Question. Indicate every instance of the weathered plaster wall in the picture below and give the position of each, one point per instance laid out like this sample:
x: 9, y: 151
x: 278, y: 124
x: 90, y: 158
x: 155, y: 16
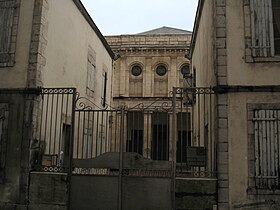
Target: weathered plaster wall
x: 203, y: 58
x: 16, y: 76
x: 69, y: 38
x: 238, y: 146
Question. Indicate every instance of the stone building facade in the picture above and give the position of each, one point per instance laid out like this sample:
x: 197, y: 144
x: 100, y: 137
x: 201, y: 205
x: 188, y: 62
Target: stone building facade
x: 235, y: 50
x: 147, y: 67
x: 42, y: 47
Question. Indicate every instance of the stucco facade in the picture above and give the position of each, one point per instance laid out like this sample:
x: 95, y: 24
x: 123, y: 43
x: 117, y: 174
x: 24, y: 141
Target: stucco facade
x: 245, y: 84
x: 46, y: 55
x: 44, y: 47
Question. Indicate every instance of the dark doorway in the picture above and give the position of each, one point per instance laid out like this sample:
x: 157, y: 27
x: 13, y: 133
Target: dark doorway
x: 160, y: 140
x: 184, y: 136
x: 64, y: 150
x: 134, y: 143
x: 183, y: 142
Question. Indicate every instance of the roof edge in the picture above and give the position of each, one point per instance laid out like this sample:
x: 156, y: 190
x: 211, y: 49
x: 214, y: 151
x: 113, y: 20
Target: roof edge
x: 90, y: 21
x: 151, y: 32
x: 195, y: 27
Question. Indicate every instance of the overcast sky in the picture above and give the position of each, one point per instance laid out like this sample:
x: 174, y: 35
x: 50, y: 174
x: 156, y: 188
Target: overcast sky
x: 115, y: 17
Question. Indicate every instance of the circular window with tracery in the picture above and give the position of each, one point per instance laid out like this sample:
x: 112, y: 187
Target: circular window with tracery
x: 161, y: 70
x: 136, y: 70
x: 185, y: 69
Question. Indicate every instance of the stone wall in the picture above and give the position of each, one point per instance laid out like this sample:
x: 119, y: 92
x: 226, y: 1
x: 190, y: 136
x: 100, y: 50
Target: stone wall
x: 48, y: 191
x: 15, y: 138
x: 196, y: 194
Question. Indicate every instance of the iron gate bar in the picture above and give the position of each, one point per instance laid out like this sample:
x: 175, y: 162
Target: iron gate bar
x: 121, y: 161
x: 71, y: 146
x: 55, y: 105
x: 174, y: 135
x: 198, y: 113
x: 199, y: 103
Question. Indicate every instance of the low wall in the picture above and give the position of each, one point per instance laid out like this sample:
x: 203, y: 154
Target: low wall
x: 48, y: 191
x: 196, y: 194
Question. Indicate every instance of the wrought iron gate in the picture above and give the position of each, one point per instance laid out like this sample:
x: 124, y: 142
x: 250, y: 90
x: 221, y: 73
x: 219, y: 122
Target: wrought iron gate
x: 138, y: 149
x: 122, y: 157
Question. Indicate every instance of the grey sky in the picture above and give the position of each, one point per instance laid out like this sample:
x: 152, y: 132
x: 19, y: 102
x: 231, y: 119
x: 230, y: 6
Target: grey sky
x: 114, y: 17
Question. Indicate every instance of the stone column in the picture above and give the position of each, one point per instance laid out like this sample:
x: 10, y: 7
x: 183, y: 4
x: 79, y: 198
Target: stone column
x: 147, y: 135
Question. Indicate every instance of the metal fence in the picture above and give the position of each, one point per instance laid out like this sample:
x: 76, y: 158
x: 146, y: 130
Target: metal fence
x: 143, y: 129
x: 177, y: 128
x: 51, y: 149
x: 196, y: 150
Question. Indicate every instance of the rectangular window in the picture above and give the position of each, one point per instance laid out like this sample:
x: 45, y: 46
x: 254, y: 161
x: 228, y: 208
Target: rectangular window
x: 160, y: 136
x: 6, y: 23
x: 183, y: 135
x: 265, y: 25
x: 266, y: 124
x: 90, y: 78
x: 135, y: 131
x: 104, y: 88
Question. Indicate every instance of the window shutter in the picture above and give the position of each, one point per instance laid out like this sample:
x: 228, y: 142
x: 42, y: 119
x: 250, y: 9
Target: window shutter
x: 90, y: 76
x: 267, y: 147
x: 262, y: 28
x: 6, y: 23
x: 104, y: 87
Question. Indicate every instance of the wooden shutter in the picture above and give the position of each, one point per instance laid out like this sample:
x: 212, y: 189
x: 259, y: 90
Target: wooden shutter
x: 6, y: 22
x: 267, y: 147
x: 262, y: 28
x: 90, y: 77
x: 104, y: 87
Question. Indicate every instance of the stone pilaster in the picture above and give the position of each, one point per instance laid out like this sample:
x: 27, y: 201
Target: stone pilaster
x: 222, y: 106
x: 38, y: 44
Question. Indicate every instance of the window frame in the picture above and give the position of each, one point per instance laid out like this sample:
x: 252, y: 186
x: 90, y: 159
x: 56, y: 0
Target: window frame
x: 249, y: 37
x: 134, y: 66
x: 161, y: 65
x: 182, y: 67
x: 252, y: 190
x: 7, y: 59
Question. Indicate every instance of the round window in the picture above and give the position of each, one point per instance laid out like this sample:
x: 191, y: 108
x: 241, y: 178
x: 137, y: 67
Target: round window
x: 136, y: 70
x: 161, y: 70
x: 185, y: 69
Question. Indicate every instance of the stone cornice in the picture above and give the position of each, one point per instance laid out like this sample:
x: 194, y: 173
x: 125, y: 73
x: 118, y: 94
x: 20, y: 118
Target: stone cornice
x: 150, y: 51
